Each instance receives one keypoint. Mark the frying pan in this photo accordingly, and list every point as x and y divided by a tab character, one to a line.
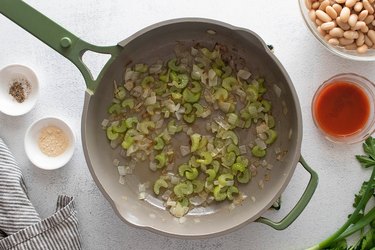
146	46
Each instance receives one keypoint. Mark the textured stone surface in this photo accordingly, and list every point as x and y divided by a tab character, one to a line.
108	22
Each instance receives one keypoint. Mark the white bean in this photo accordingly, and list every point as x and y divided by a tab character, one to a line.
368	6
318	22
342	25
340	1
364	29
328	25
351	34
343	41
369	19
344	15
331	12
371	35
352	20
327	37
334	41
324	5
312	15
371	1
368	41
321	32
359	25
373	23
361	39
362	15
350	3
337	8
362	49
358	6
323	16
336	32
315	5
308	4
351	46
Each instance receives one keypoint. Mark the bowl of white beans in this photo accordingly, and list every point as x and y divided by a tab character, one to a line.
344	27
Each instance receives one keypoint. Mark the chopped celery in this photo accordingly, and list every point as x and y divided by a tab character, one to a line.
121	128
207	158
128	103
220	193
221	94
271	136
189	118
195	139
231	190
231	135
147	81
244	177
131	121
120	93
111	133
159	183
191	97
142	68
238	167
159	143
114	108
258	151
144	126
198	186
229	82
266	105
183	188
211	175
161	160
233	148
197	88
181	81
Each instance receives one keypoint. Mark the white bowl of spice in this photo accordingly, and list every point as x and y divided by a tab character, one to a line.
19	89
49	143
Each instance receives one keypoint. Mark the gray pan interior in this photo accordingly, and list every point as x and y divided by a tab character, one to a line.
158	42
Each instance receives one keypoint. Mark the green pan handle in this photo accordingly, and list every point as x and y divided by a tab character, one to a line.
301	204
57	37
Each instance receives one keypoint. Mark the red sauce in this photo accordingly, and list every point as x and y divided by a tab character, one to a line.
341	109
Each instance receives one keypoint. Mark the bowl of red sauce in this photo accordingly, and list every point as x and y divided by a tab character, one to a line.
343	108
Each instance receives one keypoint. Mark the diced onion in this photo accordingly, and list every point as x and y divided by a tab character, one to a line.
121	180
243	74
121	170
243	149
105	123
128	74
185	150
150	100
115	162
260	143
156	68
153	166
277	90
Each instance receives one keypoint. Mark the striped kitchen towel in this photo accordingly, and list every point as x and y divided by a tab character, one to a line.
20	225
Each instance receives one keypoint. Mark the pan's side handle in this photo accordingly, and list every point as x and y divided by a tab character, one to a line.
58	38
301	204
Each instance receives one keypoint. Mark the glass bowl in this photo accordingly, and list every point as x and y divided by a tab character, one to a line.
368	89
340	51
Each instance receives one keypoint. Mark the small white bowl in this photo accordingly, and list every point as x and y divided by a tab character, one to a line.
36	156
8	105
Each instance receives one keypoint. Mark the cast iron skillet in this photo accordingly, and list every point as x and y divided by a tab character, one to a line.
146	46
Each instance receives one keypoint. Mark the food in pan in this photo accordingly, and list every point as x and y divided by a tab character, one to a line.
201	121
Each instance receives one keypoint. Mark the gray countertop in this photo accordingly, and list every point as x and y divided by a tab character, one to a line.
108	22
